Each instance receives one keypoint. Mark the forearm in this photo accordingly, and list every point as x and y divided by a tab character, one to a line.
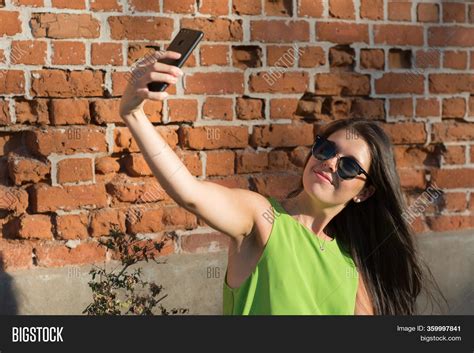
166	166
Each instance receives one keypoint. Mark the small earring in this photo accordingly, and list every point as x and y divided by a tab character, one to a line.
357	200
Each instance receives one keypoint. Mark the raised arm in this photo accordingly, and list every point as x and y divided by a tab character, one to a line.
231	211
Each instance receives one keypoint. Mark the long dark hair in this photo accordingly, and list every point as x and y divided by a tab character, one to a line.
375	233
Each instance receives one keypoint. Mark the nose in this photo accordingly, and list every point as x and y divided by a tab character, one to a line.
332	163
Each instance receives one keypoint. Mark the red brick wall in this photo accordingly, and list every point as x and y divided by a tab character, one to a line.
69	169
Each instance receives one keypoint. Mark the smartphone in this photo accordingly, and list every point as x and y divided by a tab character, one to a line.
184	43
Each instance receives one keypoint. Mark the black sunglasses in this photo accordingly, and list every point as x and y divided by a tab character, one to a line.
347	167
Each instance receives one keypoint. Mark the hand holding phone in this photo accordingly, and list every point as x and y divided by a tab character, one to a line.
184	43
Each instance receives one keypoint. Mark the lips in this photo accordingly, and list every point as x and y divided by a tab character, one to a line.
323	175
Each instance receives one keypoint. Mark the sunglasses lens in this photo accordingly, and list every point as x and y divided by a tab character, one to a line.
348	168
323	149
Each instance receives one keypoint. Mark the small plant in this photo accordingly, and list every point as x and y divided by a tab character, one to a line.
118	292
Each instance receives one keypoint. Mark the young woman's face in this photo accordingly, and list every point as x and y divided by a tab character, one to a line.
338	191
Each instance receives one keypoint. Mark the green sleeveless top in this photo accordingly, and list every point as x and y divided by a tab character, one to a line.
294	276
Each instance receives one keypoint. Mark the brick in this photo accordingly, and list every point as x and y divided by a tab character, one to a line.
246	7
412	178
343	9
45	198
454	36
455	60
144	5
27	170
107	165
368	108
153	110
399	11
74	170
246	56
310	8
10	23
69	111
454	107
283	108
427	59
62	26
13	199
161	219
136	165
455	201
428	107
57	255
32	3
66	141
342	84
214	83
398	34
32	111
140	27
278	31
124	189
452	131
214	7
106	54
453	178
428	12
399	83
471	106
59	83
278	186
213	137
278	7
454	155
68	53
183	6
280	55
451	83
102	221
249	161
372	59
220	163
15	254
371	9
33	227
124	141
449	223
105	111
401	107
5	118
180	110
282	135
69	4
28	52
72	227
204	243
415	156
218	108
341	57
341	32
105	5
312	57
286	82
216	29
250	108
406	133
454	12
214	55
12	82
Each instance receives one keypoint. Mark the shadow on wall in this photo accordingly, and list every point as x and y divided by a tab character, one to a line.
8	303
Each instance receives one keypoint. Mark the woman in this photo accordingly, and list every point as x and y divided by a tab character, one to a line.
339	246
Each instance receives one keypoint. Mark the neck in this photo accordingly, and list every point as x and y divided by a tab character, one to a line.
312	213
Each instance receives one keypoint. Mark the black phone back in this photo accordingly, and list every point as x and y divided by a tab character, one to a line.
184	43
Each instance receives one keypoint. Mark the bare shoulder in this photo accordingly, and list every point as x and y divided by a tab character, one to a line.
263	217
364	303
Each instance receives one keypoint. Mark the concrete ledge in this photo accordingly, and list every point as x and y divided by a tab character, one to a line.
195	281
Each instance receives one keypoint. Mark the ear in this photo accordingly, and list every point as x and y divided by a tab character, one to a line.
364	194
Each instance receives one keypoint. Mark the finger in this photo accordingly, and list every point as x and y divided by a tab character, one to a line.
168	55
161	77
170	69
145	93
